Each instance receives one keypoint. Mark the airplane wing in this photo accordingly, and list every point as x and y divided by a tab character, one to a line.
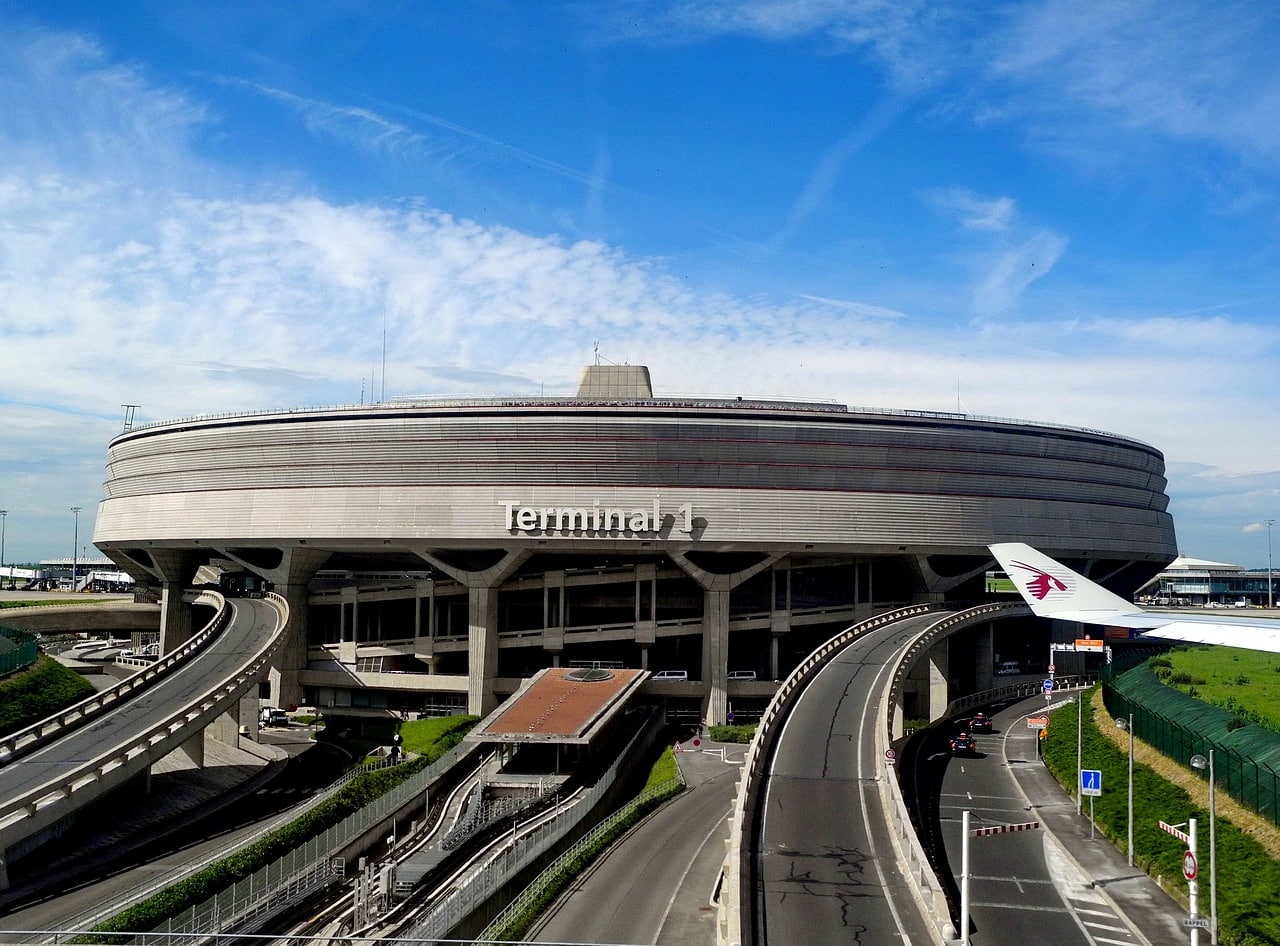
1053	590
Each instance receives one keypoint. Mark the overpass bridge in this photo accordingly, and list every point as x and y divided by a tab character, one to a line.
821	841
53	769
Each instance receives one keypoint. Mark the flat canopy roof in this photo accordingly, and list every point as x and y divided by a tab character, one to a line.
561	705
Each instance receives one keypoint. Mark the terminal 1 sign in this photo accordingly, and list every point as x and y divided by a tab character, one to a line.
597	519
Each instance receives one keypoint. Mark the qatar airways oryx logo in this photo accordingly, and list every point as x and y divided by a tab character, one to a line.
1041	582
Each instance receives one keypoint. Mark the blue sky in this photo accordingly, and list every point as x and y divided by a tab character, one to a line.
1059	211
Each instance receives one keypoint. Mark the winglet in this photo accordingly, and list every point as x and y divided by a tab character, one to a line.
1055	591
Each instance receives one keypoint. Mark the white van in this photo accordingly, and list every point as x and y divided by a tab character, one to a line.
1010	668
273	717
742	674
671	675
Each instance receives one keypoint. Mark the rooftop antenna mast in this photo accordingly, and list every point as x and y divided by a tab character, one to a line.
384	353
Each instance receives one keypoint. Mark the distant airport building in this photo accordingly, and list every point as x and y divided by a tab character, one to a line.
435	552
1196	582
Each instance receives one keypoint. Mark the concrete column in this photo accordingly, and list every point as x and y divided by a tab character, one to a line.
347	644
984	657
291	658
939	660
482	650
774	642
176	621
715	654
424	611
553	615
193	750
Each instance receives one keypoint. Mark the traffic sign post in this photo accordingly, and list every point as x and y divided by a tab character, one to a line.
1091	781
1191	871
890	756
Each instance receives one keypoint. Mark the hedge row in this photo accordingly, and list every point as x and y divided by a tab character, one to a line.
356	794
1247	877
43	689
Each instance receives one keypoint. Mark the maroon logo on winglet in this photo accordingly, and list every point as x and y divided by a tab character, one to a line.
1043	582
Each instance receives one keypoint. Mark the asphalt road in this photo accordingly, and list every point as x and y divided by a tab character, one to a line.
828	869
1025	886
656	884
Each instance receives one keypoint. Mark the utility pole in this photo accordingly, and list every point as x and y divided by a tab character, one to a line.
1270	600
4	514
75	547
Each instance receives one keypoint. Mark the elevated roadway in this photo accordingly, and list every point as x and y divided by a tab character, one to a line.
828	870
86	761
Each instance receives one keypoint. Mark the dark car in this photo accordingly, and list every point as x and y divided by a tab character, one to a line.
981	722
963	744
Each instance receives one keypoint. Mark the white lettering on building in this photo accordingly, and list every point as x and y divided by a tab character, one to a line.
596	518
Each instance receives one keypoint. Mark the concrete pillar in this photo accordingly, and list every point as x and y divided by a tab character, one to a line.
176	620
192	750
939	661
715	654
482	650
291	658
553	615
347	642
984	657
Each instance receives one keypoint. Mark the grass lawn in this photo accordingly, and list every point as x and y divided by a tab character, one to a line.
1230	678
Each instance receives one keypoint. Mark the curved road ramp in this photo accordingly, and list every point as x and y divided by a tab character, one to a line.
822	846
58	766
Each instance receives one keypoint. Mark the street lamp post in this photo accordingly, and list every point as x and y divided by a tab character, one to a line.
75	546
4	514
1200	762
1128	727
1270	600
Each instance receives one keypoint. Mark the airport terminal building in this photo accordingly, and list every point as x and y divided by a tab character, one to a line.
437	552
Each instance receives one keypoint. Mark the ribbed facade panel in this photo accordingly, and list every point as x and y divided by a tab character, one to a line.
833	479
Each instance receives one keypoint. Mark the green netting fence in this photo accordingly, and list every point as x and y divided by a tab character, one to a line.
1246	757
18	649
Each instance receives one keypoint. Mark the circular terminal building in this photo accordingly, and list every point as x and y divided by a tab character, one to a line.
435	553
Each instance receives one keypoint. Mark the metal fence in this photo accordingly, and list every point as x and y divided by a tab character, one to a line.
22	654
1251	782
304	869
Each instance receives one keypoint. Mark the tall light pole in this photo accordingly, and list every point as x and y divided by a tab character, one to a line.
75	547
1200	762
1128	727
1270	523
4	514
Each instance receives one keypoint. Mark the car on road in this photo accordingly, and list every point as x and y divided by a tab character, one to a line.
1010	668
980	722
274	717
671	675
963	744
742	674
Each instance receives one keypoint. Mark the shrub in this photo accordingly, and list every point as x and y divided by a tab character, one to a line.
41	690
